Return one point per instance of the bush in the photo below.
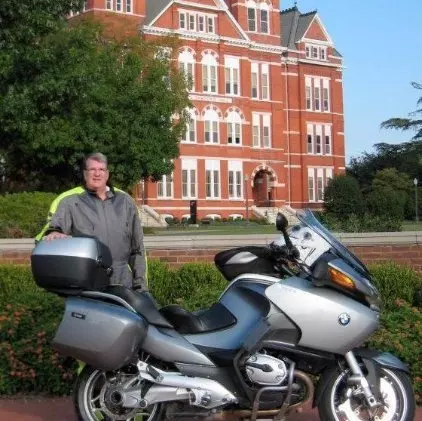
(401, 334)
(396, 282)
(22, 215)
(343, 197)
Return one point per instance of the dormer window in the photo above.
(316, 52)
(196, 22)
(264, 21)
(121, 6)
(251, 19)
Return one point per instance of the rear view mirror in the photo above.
(281, 222)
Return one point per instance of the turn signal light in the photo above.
(340, 279)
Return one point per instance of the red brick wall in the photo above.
(410, 255)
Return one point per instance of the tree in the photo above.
(408, 123)
(405, 157)
(390, 194)
(343, 197)
(74, 92)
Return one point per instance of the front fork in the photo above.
(370, 388)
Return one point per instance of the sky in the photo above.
(381, 45)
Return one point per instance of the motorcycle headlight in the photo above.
(341, 279)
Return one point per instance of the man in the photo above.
(97, 209)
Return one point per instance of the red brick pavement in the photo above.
(62, 410)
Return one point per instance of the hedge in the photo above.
(22, 215)
(29, 316)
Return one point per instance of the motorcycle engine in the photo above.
(265, 370)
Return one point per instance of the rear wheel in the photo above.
(97, 395)
(342, 402)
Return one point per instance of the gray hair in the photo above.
(96, 156)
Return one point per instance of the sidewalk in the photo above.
(61, 409)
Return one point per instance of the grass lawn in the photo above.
(412, 226)
(218, 229)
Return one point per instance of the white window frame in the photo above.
(202, 23)
(328, 148)
(189, 138)
(165, 187)
(310, 136)
(109, 4)
(234, 127)
(209, 66)
(325, 97)
(235, 180)
(318, 139)
(319, 184)
(311, 184)
(210, 22)
(265, 81)
(212, 169)
(184, 20)
(129, 7)
(264, 8)
(255, 71)
(119, 5)
(190, 166)
(251, 6)
(308, 94)
(266, 124)
(191, 22)
(186, 62)
(256, 130)
(212, 126)
(232, 76)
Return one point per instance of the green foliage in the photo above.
(22, 215)
(78, 92)
(29, 317)
(343, 197)
(401, 334)
(364, 223)
(397, 282)
(405, 124)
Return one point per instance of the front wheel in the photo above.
(342, 402)
(96, 397)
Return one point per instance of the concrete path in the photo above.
(62, 410)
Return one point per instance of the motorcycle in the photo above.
(285, 333)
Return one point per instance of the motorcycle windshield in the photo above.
(308, 218)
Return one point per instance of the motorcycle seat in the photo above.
(142, 302)
(214, 318)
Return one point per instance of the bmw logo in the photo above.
(344, 319)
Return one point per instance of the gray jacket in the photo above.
(114, 221)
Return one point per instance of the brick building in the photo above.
(267, 125)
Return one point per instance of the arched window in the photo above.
(187, 66)
(211, 123)
(190, 135)
(234, 128)
(209, 73)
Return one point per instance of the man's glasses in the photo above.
(95, 170)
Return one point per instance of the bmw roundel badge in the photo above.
(344, 319)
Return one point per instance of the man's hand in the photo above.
(55, 236)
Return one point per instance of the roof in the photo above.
(294, 26)
(154, 8)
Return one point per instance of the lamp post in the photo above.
(246, 199)
(415, 182)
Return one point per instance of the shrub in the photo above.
(401, 334)
(343, 197)
(396, 282)
(23, 214)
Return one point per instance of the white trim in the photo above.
(339, 80)
(289, 74)
(113, 11)
(320, 63)
(293, 166)
(257, 160)
(341, 168)
(324, 30)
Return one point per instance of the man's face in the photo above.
(95, 175)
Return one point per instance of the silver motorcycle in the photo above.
(288, 331)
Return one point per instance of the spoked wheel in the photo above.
(342, 402)
(98, 398)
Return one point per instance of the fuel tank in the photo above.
(328, 320)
